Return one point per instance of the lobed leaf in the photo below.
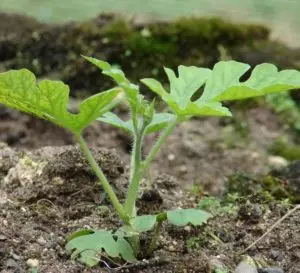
(49, 100)
(87, 247)
(221, 83)
(182, 217)
(158, 122)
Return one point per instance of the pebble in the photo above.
(172, 248)
(11, 263)
(41, 241)
(187, 228)
(270, 270)
(215, 264)
(277, 163)
(245, 268)
(32, 263)
(2, 237)
(171, 157)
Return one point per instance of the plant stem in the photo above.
(138, 167)
(154, 238)
(135, 175)
(162, 138)
(101, 176)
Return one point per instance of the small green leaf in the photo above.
(49, 100)
(88, 247)
(220, 270)
(125, 249)
(182, 217)
(107, 69)
(144, 223)
(112, 119)
(159, 121)
(79, 233)
(131, 90)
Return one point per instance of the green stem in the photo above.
(135, 175)
(99, 173)
(162, 138)
(154, 239)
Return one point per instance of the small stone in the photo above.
(183, 169)
(15, 257)
(171, 157)
(270, 270)
(215, 263)
(245, 268)
(32, 263)
(276, 255)
(172, 248)
(277, 163)
(10, 263)
(3, 198)
(3, 237)
(187, 228)
(41, 241)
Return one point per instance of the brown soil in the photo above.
(47, 192)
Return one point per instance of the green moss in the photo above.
(141, 50)
(261, 190)
(283, 148)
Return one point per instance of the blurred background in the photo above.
(141, 37)
(281, 15)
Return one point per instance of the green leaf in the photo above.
(182, 89)
(265, 78)
(189, 80)
(159, 121)
(144, 223)
(115, 73)
(221, 83)
(131, 90)
(112, 119)
(49, 100)
(182, 217)
(88, 247)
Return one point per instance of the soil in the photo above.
(47, 189)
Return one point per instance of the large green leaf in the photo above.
(87, 247)
(49, 100)
(182, 217)
(221, 83)
(224, 84)
(158, 122)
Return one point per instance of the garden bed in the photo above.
(47, 189)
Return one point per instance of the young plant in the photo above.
(49, 99)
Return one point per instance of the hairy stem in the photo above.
(135, 175)
(162, 138)
(154, 239)
(101, 176)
